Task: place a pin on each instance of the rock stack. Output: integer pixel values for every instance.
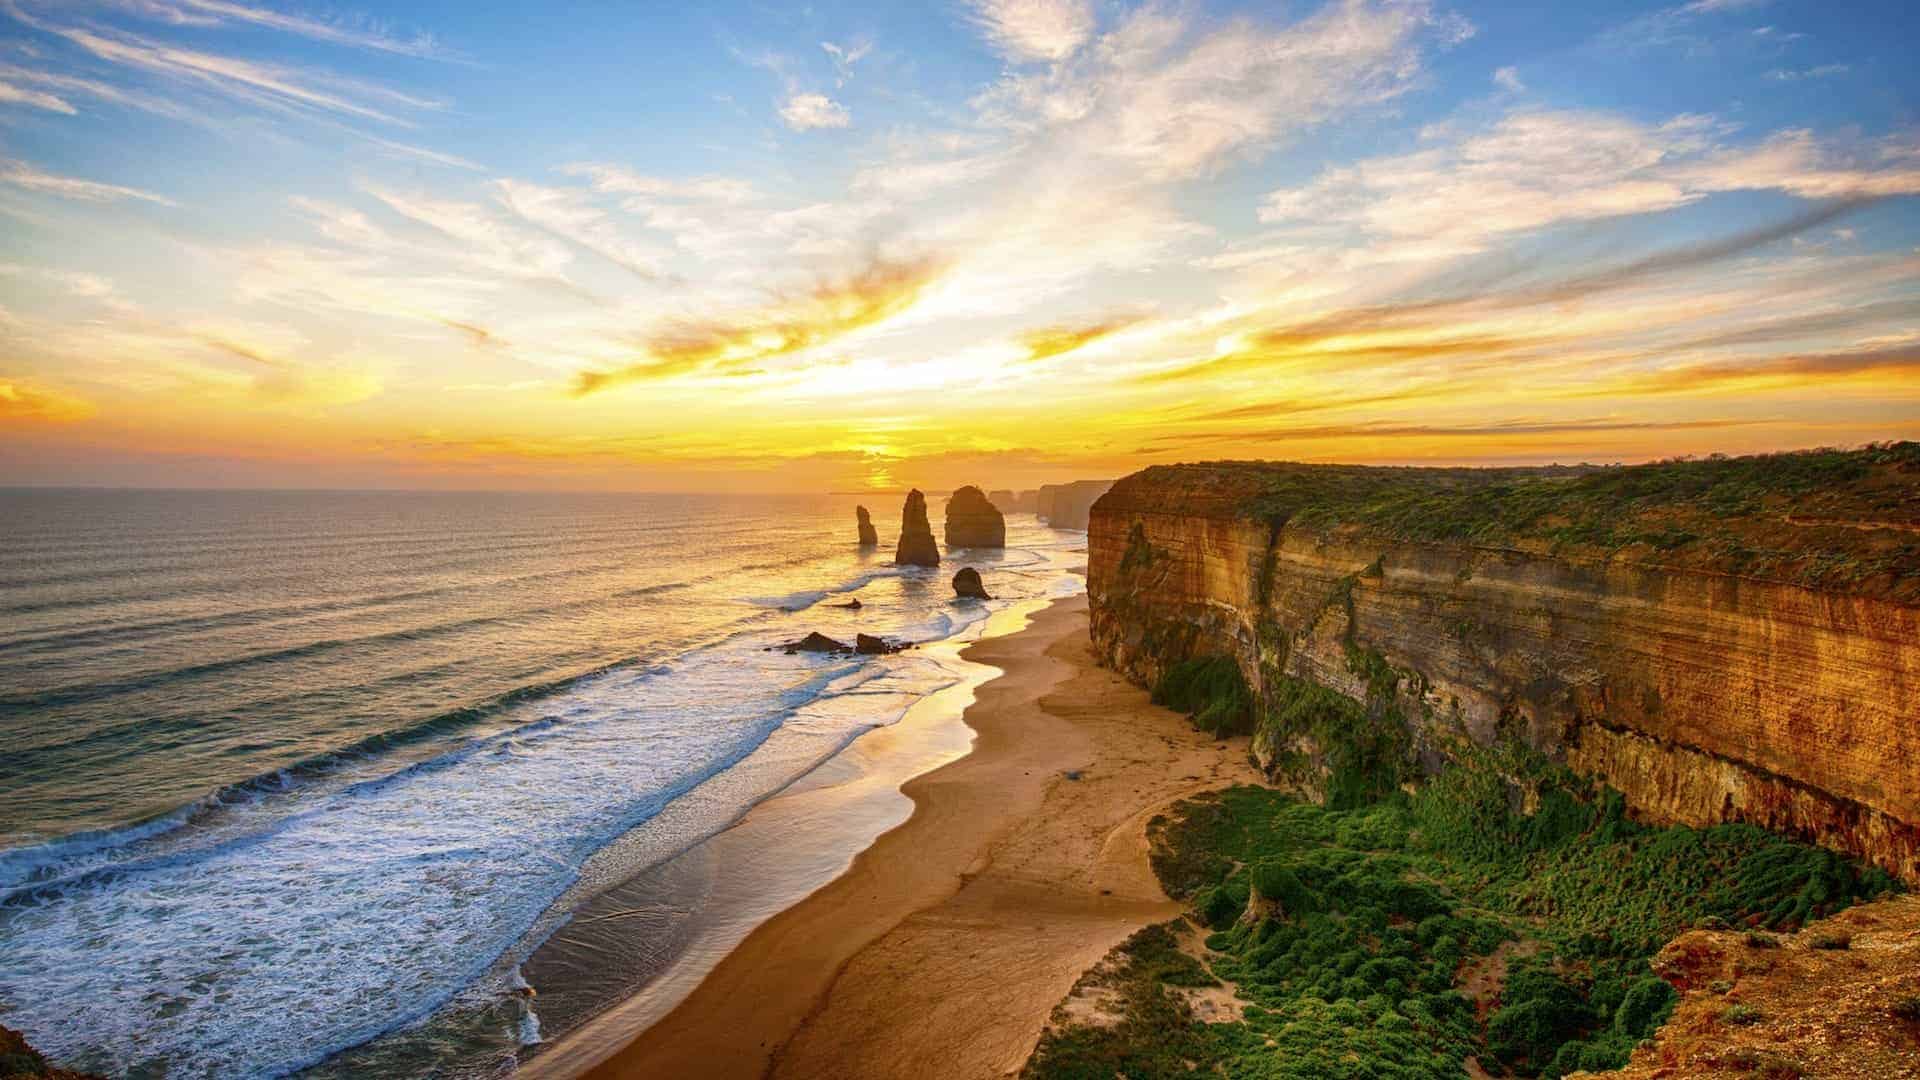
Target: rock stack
(868, 537)
(917, 546)
(967, 583)
(974, 522)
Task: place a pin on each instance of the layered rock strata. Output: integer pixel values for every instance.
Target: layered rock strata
(1785, 692)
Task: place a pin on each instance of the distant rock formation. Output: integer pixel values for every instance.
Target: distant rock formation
(917, 546)
(1067, 506)
(1013, 502)
(967, 583)
(868, 537)
(973, 521)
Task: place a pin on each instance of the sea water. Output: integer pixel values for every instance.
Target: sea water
(284, 773)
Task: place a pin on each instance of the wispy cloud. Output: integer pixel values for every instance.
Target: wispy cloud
(39, 99)
(360, 34)
(22, 175)
(1822, 71)
(1035, 30)
(26, 402)
(1047, 342)
(827, 312)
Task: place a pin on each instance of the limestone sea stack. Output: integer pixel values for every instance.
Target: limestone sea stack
(973, 521)
(917, 546)
(868, 537)
(967, 584)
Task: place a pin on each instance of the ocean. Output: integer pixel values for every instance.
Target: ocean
(284, 774)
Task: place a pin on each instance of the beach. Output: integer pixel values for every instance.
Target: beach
(946, 944)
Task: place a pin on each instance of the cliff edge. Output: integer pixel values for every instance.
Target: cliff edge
(1721, 639)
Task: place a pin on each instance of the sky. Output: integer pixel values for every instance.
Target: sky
(764, 247)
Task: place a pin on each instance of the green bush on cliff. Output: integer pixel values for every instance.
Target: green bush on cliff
(1389, 911)
(1212, 691)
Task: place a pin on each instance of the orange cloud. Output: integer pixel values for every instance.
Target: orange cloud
(1061, 338)
(831, 310)
(1803, 369)
(26, 403)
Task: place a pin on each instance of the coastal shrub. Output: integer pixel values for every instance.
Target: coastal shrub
(1714, 511)
(1387, 909)
(1647, 1004)
(1212, 691)
(1363, 748)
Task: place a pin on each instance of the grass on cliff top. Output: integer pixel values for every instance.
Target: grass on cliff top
(1789, 516)
(1400, 938)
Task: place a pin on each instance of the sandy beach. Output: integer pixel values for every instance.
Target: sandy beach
(945, 946)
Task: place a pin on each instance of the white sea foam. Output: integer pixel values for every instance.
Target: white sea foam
(261, 931)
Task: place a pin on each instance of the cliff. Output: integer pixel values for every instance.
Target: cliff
(1728, 639)
(868, 536)
(974, 522)
(1068, 506)
(1013, 502)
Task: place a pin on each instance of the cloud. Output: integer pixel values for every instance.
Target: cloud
(22, 175)
(1047, 342)
(1156, 97)
(827, 312)
(1758, 373)
(1533, 169)
(366, 35)
(39, 99)
(259, 84)
(807, 112)
(569, 216)
(845, 57)
(490, 242)
(1508, 79)
(23, 402)
(288, 383)
(705, 189)
(1034, 30)
(1823, 71)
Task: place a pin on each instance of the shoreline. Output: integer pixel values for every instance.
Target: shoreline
(1022, 863)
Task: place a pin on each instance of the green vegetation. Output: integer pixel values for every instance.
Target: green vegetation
(1212, 691)
(1398, 936)
(1782, 516)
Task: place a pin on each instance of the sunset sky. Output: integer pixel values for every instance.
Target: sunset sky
(766, 247)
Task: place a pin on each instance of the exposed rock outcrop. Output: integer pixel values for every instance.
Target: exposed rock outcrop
(1068, 506)
(973, 521)
(1840, 998)
(917, 546)
(868, 537)
(19, 1061)
(1726, 640)
(967, 584)
(817, 642)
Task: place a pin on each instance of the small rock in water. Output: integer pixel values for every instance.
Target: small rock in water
(853, 604)
(967, 584)
(817, 642)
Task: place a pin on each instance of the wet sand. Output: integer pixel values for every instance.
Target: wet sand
(946, 944)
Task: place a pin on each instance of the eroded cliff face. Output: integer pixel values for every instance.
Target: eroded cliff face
(1702, 696)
